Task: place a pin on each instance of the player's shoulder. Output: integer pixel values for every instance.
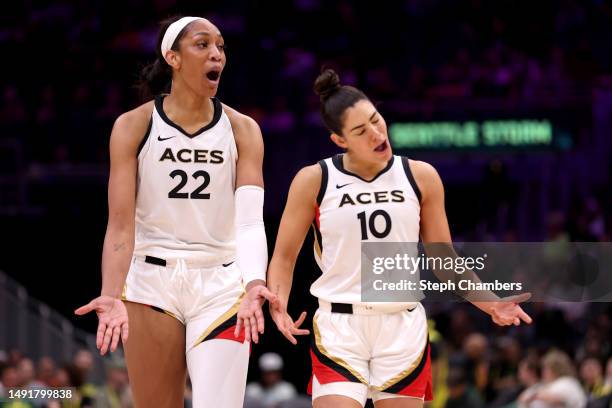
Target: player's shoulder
(425, 175)
(132, 126)
(306, 184)
(311, 172)
(309, 177)
(422, 169)
(136, 119)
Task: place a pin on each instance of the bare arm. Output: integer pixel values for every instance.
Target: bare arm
(434, 223)
(297, 217)
(128, 131)
(126, 136)
(435, 229)
(249, 143)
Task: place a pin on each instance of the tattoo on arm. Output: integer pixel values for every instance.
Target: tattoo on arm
(118, 247)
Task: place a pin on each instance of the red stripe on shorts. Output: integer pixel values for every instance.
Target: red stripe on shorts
(324, 373)
(228, 334)
(417, 384)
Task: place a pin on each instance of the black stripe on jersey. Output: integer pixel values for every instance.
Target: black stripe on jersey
(411, 179)
(218, 109)
(337, 160)
(324, 178)
(318, 239)
(146, 136)
(406, 381)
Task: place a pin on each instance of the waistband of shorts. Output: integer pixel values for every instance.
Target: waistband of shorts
(190, 263)
(366, 308)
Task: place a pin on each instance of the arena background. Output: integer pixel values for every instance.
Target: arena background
(69, 70)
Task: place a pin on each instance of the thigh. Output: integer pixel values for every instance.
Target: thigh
(336, 401)
(398, 402)
(218, 372)
(338, 394)
(155, 357)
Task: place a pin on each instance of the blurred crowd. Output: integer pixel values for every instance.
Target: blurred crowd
(563, 359)
(19, 371)
(62, 97)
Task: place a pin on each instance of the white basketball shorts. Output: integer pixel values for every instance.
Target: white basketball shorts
(360, 353)
(204, 299)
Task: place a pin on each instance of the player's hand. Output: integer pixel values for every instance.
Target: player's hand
(250, 315)
(506, 311)
(285, 323)
(112, 321)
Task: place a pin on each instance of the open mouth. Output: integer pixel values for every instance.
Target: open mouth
(213, 75)
(381, 147)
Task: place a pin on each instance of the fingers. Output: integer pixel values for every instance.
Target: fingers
(125, 331)
(238, 327)
(108, 334)
(247, 329)
(524, 316)
(300, 320)
(100, 334)
(260, 320)
(250, 327)
(254, 333)
(300, 332)
(85, 309)
(115, 339)
(270, 297)
(296, 330)
(289, 336)
(283, 322)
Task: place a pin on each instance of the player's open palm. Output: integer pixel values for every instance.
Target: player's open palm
(507, 311)
(285, 323)
(112, 321)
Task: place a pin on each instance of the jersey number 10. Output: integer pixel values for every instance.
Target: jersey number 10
(371, 223)
(197, 193)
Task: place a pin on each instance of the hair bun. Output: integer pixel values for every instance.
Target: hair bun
(326, 84)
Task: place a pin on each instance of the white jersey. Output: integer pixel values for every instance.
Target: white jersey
(185, 190)
(351, 210)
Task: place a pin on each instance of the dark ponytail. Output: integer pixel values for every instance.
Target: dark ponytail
(156, 77)
(335, 99)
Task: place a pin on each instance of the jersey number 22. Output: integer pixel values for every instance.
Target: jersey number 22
(197, 193)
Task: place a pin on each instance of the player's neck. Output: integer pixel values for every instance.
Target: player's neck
(185, 107)
(367, 170)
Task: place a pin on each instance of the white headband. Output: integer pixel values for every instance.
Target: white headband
(173, 31)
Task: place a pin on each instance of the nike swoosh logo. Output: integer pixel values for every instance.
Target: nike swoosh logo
(227, 264)
(343, 185)
(161, 139)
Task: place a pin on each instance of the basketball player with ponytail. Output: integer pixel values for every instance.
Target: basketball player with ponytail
(184, 258)
(361, 350)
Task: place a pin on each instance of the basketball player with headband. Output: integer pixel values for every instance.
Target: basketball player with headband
(184, 258)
